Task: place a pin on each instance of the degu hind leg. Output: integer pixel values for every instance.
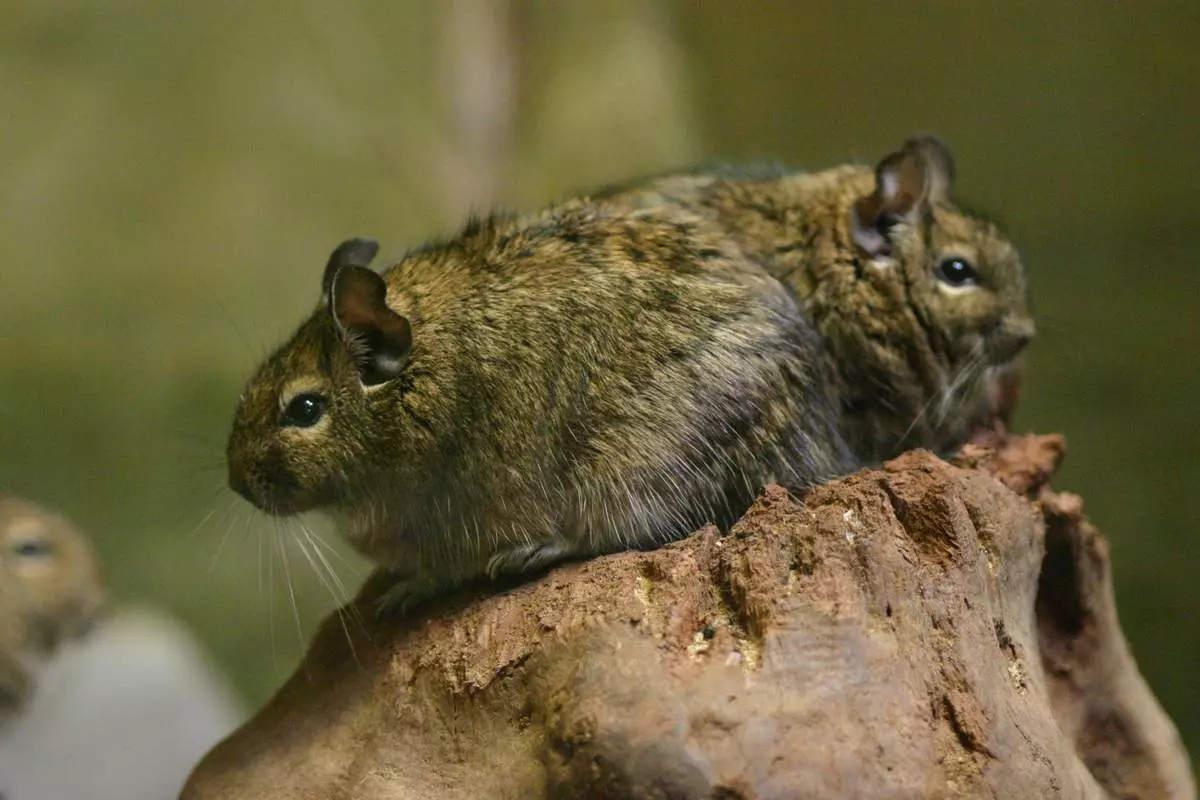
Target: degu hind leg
(411, 590)
(523, 559)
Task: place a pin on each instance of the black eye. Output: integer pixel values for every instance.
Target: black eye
(32, 548)
(956, 272)
(304, 411)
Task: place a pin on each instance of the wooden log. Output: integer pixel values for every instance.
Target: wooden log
(926, 629)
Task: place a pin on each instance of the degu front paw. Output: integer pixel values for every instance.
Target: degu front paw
(405, 593)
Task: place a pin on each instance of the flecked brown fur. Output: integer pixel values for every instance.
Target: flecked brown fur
(619, 370)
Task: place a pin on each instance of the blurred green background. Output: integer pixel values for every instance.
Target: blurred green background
(173, 175)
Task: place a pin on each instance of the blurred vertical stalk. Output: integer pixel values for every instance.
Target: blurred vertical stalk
(479, 75)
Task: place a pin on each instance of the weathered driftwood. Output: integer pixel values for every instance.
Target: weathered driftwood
(921, 630)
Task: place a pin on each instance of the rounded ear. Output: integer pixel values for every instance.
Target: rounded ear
(906, 183)
(350, 253)
(938, 164)
(378, 337)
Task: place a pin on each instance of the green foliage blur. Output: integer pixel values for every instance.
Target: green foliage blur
(174, 174)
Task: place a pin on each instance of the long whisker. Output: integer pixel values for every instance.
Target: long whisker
(324, 545)
(978, 368)
(943, 401)
(236, 516)
(964, 378)
(918, 418)
(318, 542)
(329, 586)
(220, 547)
(271, 593)
(258, 543)
(291, 587)
(315, 560)
(213, 508)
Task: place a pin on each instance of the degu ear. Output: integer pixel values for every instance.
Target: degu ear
(378, 337)
(938, 165)
(350, 253)
(907, 181)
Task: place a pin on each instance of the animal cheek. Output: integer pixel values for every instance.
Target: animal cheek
(246, 476)
(1010, 336)
(263, 476)
(298, 477)
(38, 571)
(240, 480)
(278, 470)
(970, 307)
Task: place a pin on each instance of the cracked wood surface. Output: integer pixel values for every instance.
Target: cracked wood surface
(921, 630)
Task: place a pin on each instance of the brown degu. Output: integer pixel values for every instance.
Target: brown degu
(921, 305)
(621, 369)
(50, 593)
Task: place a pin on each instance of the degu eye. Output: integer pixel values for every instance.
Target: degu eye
(304, 411)
(32, 548)
(956, 272)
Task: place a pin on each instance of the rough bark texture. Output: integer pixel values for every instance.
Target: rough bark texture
(922, 630)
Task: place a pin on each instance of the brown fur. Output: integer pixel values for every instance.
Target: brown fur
(617, 371)
(50, 592)
(895, 343)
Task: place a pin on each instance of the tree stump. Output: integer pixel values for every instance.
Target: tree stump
(926, 629)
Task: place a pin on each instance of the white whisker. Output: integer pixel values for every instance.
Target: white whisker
(271, 592)
(204, 520)
(317, 543)
(327, 547)
(325, 581)
(291, 587)
(220, 549)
